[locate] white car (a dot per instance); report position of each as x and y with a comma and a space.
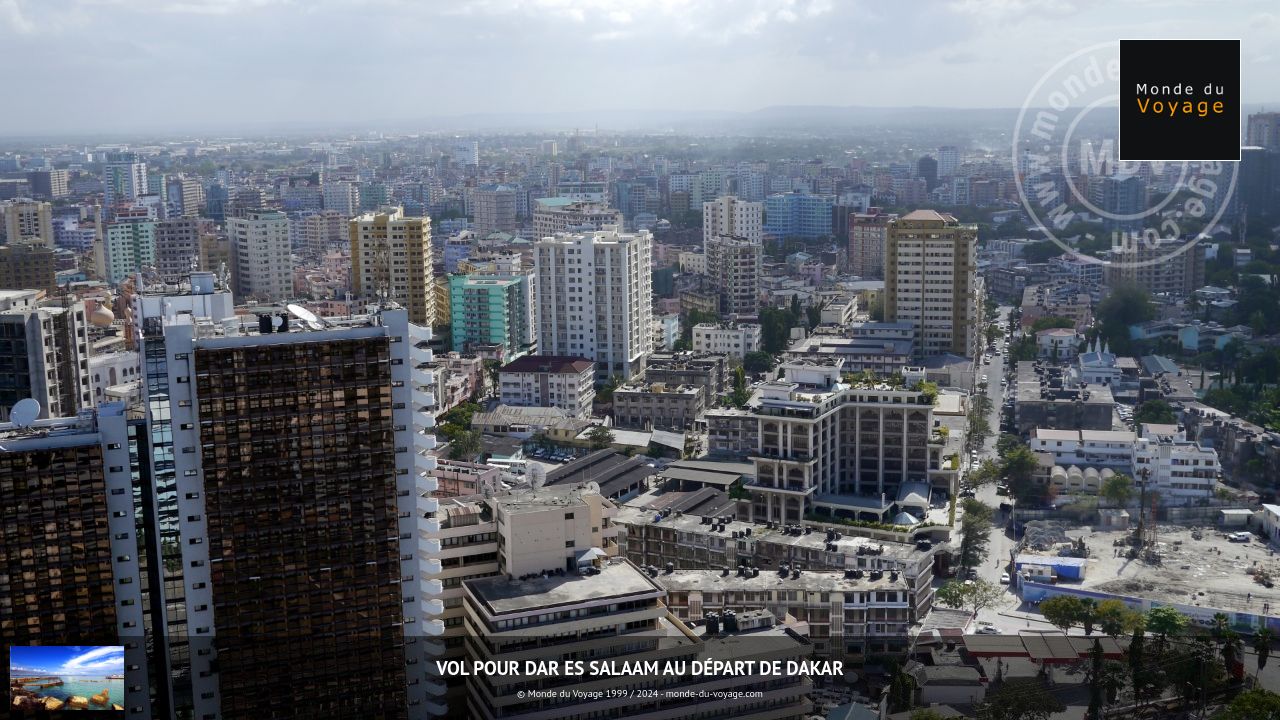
1004, 578
985, 378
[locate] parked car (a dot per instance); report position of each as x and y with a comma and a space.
1004, 578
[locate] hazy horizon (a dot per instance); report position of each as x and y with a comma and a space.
147, 66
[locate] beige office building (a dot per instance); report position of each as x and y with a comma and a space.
28, 221
391, 257
931, 280
262, 264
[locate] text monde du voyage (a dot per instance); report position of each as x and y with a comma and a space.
1179, 99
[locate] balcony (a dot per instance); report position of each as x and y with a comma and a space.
419, 333
434, 649
433, 628
424, 440
431, 526
434, 606
435, 709
435, 687
424, 420
424, 398
431, 566
428, 483
423, 376
431, 587
421, 355
427, 504
426, 463
430, 546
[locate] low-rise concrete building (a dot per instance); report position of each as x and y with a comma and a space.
549, 381
667, 407
732, 340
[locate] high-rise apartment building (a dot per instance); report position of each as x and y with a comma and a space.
262, 267
45, 355
184, 196
28, 267
320, 231
868, 234
494, 209
27, 221
489, 315
1161, 268
342, 197
797, 214
177, 247
734, 266
557, 215
1264, 131
391, 258
595, 298
292, 480
948, 161
1122, 200
124, 178
70, 567
729, 216
127, 248
931, 280
49, 184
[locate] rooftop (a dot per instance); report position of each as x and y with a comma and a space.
548, 363
770, 579
617, 580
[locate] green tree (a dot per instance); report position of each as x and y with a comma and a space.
987, 472
1115, 618
972, 594
1127, 304
600, 437
465, 445
739, 396
876, 309
1154, 411
1006, 443
1020, 699
605, 393
1256, 704
975, 532
1018, 468
1097, 693
1050, 322
1166, 622
1063, 611
757, 362
1136, 656
1118, 489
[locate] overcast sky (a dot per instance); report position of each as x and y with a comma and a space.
146, 65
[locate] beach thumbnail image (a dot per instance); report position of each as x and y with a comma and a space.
63, 678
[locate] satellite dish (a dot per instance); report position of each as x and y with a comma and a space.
25, 412
591, 488
277, 321
307, 317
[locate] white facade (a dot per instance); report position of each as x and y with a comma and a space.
730, 216
693, 262
1177, 467
261, 255
342, 197
595, 298
734, 340
1086, 448
112, 369
564, 384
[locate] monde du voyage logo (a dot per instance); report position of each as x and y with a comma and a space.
1180, 100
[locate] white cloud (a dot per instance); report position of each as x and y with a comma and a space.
11, 17
105, 659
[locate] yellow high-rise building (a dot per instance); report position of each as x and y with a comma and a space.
391, 258
931, 280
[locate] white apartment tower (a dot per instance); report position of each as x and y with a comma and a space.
727, 215
343, 197
595, 295
262, 266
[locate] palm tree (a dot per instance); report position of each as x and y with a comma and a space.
1232, 649
1262, 645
